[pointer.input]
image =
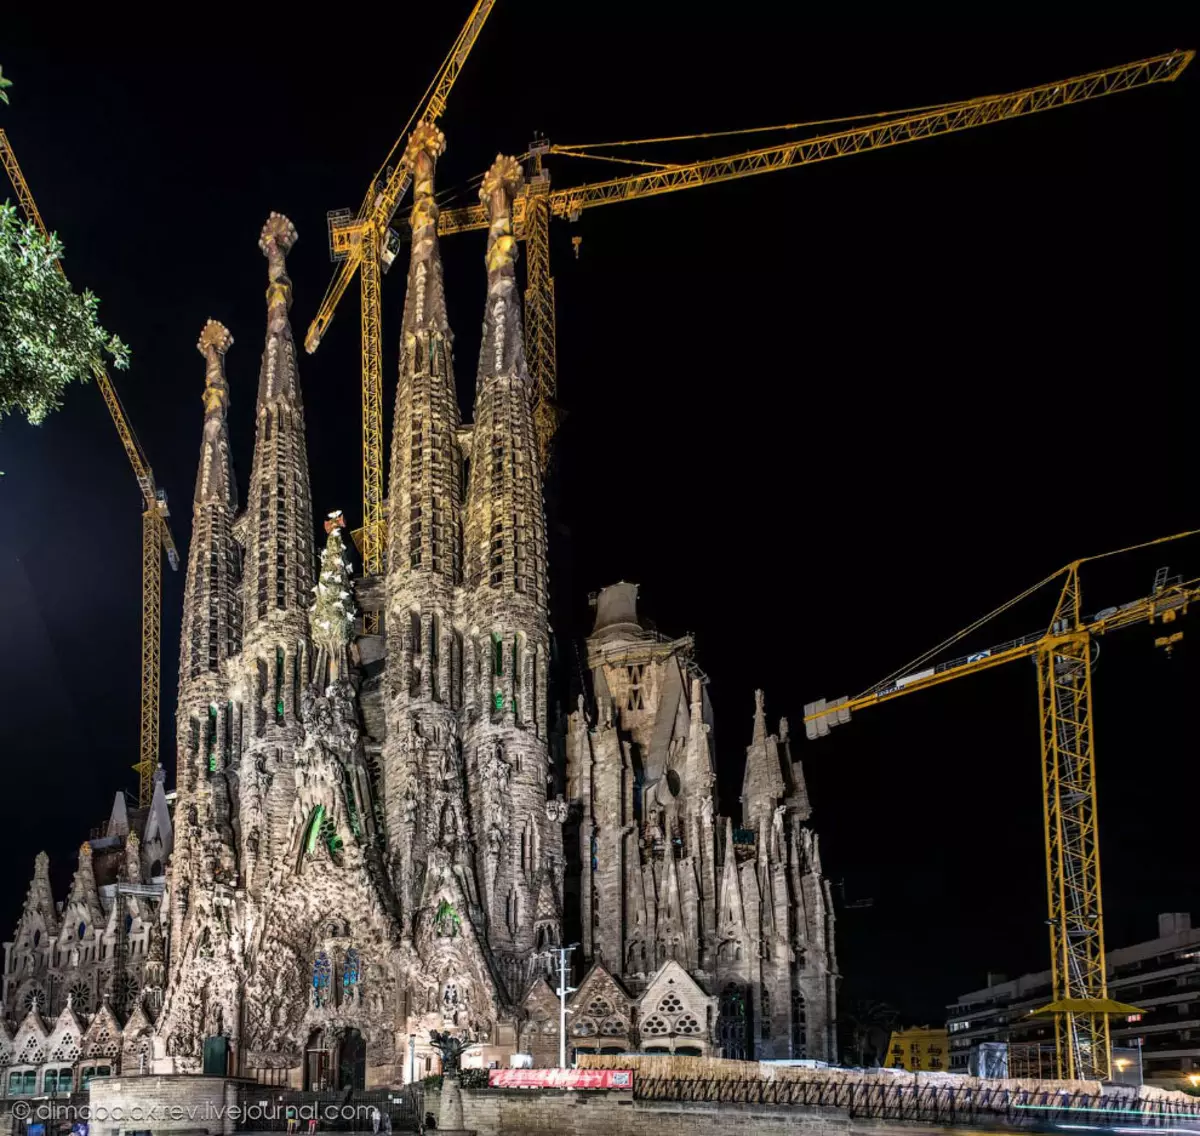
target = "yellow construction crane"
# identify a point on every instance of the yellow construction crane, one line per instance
(1063, 651)
(537, 203)
(362, 243)
(156, 528)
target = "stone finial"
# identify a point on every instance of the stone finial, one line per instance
(278, 237)
(214, 337)
(501, 181)
(335, 520)
(760, 716)
(425, 144)
(278, 233)
(503, 174)
(426, 140)
(214, 341)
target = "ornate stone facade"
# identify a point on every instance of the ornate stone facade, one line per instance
(743, 911)
(83, 977)
(369, 842)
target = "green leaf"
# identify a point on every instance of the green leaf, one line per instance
(50, 336)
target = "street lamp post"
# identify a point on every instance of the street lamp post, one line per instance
(562, 955)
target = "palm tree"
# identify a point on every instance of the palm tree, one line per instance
(866, 1027)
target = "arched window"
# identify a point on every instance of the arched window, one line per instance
(764, 1005)
(350, 970)
(279, 681)
(156, 869)
(37, 936)
(799, 1026)
(81, 931)
(732, 1024)
(497, 654)
(321, 978)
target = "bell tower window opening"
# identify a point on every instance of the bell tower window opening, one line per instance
(210, 739)
(296, 683)
(496, 554)
(414, 654)
(456, 670)
(260, 717)
(497, 655)
(279, 686)
(518, 674)
(213, 594)
(634, 701)
(435, 662)
(264, 537)
(281, 532)
(416, 478)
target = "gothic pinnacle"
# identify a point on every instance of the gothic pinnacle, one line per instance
(213, 343)
(500, 185)
(425, 145)
(278, 237)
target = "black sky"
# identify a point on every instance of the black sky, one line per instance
(824, 417)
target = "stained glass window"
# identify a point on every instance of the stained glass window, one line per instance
(350, 969)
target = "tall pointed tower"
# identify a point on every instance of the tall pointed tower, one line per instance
(519, 850)
(424, 793)
(211, 630)
(280, 566)
(204, 869)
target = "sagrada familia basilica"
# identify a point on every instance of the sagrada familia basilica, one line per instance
(379, 828)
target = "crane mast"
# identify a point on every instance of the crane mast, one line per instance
(1063, 653)
(156, 528)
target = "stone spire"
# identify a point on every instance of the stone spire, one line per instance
(39, 912)
(83, 896)
(211, 631)
(332, 614)
(424, 790)
(505, 597)
(763, 786)
(279, 565)
(506, 532)
(424, 482)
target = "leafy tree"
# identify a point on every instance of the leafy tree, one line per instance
(49, 335)
(4, 83)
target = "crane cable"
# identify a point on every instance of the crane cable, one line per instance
(908, 667)
(763, 129)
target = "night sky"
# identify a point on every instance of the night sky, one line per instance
(824, 417)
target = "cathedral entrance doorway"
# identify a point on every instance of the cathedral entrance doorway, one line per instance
(333, 1063)
(352, 1061)
(318, 1063)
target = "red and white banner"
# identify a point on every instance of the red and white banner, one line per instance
(560, 1078)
